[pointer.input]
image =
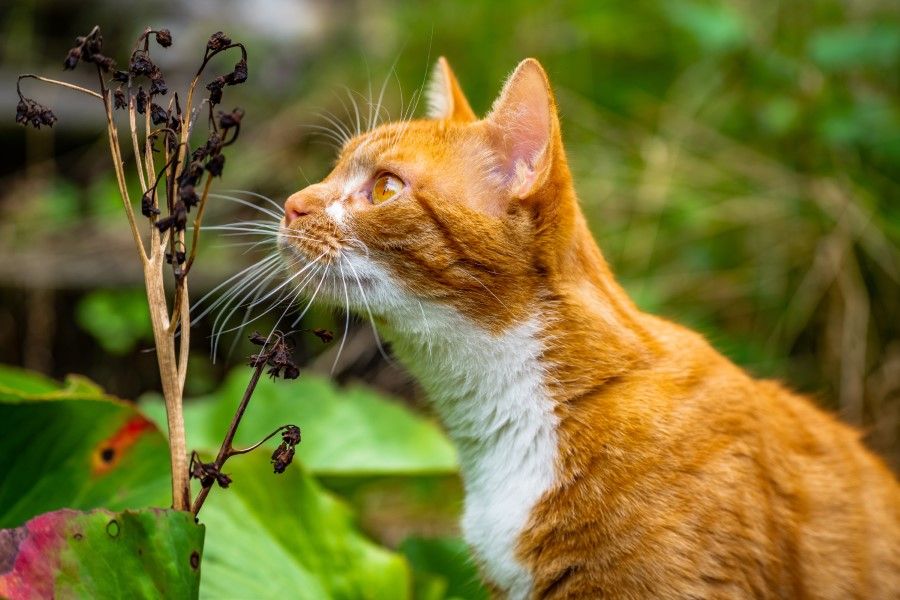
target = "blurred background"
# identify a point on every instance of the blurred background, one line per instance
(739, 163)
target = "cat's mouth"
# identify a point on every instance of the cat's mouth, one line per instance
(326, 263)
(313, 242)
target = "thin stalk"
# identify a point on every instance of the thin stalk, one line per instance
(226, 448)
(237, 451)
(71, 86)
(132, 121)
(180, 290)
(116, 152)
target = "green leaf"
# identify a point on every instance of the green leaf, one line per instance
(151, 553)
(18, 382)
(282, 536)
(443, 564)
(74, 447)
(270, 536)
(348, 431)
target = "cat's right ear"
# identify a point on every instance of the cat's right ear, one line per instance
(446, 100)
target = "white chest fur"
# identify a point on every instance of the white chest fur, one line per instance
(490, 393)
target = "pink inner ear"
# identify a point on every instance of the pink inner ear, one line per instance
(523, 115)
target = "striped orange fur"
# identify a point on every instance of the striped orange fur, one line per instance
(606, 453)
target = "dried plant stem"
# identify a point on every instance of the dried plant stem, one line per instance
(170, 379)
(170, 372)
(132, 122)
(166, 241)
(116, 152)
(71, 86)
(181, 289)
(226, 449)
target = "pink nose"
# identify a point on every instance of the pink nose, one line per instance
(297, 206)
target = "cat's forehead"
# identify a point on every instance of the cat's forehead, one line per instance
(404, 142)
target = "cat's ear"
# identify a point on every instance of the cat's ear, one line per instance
(445, 98)
(525, 129)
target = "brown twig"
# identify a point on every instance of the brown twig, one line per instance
(226, 446)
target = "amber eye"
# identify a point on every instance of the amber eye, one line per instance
(386, 187)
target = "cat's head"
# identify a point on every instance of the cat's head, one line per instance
(448, 211)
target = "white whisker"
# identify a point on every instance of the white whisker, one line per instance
(369, 311)
(278, 207)
(346, 320)
(276, 216)
(312, 298)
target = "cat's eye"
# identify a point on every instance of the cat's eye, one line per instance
(386, 187)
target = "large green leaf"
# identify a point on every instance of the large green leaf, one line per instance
(269, 535)
(152, 553)
(346, 431)
(72, 446)
(282, 536)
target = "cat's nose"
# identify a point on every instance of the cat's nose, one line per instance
(298, 205)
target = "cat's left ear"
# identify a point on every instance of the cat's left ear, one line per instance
(445, 97)
(525, 129)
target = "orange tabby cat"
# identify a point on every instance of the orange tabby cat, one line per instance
(605, 453)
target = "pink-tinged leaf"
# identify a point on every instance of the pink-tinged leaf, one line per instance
(102, 554)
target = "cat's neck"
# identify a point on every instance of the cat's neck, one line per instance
(497, 395)
(490, 392)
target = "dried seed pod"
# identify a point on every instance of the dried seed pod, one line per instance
(177, 221)
(291, 435)
(239, 75)
(218, 41)
(231, 119)
(158, 114)
(164, 38)
(282, 457)
(188, 195)
(140, 64)
(223, 480)
(106, 63)
(215, 165)
(140, 100)
(157, 83)
(215, 90)
(72, 58)
(29, 112)
(119, 100)
(148, 204)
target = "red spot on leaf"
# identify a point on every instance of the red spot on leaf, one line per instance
(109, 452)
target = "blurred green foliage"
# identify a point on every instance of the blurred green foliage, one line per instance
(118, 319)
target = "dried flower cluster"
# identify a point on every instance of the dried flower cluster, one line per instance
(89, 49)
(284, 453)
(277, 353)
(208, 473)
(29, 112)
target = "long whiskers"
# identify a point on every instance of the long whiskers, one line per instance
(365, 300)
(346, 320)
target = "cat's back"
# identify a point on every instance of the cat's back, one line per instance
(705, 482)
